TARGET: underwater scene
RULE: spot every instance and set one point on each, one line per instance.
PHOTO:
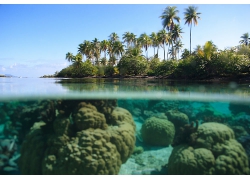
(112, 132)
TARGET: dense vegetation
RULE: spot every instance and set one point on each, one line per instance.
(126, 58)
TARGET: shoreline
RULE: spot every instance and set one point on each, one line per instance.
(239, 79)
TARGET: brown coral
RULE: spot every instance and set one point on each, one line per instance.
(87, 143)
(215, 152)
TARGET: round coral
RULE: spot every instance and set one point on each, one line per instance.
(215, 152)
(178, 118)
(82, 144)
(158, 132)
(185, 159)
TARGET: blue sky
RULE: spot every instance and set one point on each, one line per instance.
(34, 39)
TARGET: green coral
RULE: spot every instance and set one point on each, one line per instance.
(178, 118)
(83, 142)
(157, 131)
(215, 152)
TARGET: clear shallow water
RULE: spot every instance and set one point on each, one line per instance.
(26, 101)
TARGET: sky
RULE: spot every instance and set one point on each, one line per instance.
(34, 38)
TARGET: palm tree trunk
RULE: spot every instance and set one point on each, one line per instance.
(190, 37)
(164, 51)
(168, 51)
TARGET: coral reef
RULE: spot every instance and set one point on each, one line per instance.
(157, 131)
(239, 131)
(209, 114)
(241, 119)
(178, 118)
(86, 137)
(162, 105)
(245, 142)
(216, 151)
(239, 108)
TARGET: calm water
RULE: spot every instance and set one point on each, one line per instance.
(129, 126)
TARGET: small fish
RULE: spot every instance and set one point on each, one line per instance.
(12, 144)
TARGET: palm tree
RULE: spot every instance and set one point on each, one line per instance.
(245, 39)
(113, 37)
(96, 50)
(77, 63)
(175, 36)
(115, 49)
(155, 41)
(191, 17)
(163, 38)
(133, 39)
(145, 42)
(118, 48)
(129, 38)
(70, 57)
(86, 49)
(104, 46)
(133, 52)
(126, 38)
(168, 16)
(178, 46)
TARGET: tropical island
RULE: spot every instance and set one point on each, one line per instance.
(126, 59)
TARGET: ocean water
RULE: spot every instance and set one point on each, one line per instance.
(123, 126)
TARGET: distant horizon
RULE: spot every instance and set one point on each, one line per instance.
(36, 38)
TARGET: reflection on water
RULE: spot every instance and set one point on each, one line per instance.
(152, 85)
(155, 127)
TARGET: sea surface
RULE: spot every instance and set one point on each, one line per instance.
(123, 126)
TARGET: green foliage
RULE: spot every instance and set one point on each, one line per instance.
(153, 63)
(244, 50)
(66, 72)
(100, 70)
(80, 69)
(110, 70)
(132, 66)
(185, 54)
(166, 68)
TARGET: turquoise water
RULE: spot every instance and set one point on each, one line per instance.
(129, 126)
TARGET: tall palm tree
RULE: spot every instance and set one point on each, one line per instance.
(86, 49)
(129, 38)
(70, 57)
(191, 18)
(104, 46)
(175, 36)
(155, 41)
(96, 50)
(118, 49)
(113, 37)
(178, 46)
(133, 39)
(77, 63)
(145, 42)
(126, 38)
(168, 16)
(163, 38)
(245, 39)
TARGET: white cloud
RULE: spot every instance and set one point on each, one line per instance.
(3, 69)
(12, 66)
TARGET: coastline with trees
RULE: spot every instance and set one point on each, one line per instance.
(124, 57)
